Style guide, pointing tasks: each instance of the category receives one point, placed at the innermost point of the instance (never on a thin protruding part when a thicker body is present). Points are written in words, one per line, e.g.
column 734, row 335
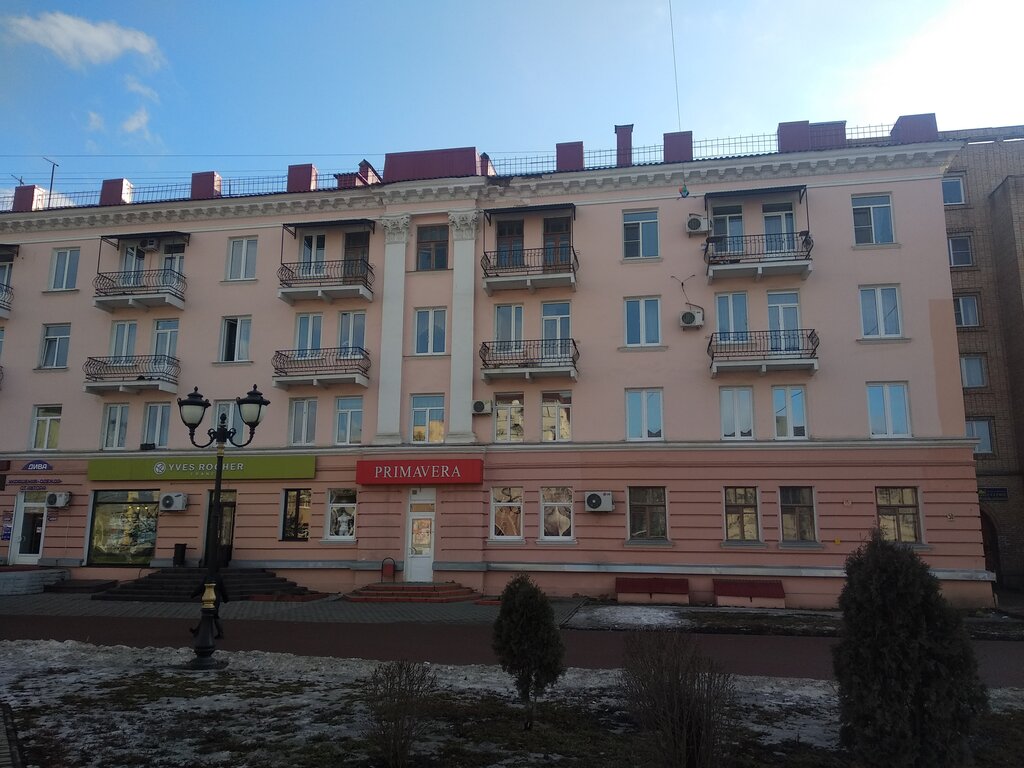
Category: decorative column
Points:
column 389, row 366
column 463, row 226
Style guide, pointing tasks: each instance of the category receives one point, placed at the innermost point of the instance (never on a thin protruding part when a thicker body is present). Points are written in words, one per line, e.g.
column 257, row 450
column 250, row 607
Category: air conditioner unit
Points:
column 173, row 502
column 691, row 318
column 149, row 244
column 598, row 501
column 697, row 224
column 481, row 407
column 58, row 499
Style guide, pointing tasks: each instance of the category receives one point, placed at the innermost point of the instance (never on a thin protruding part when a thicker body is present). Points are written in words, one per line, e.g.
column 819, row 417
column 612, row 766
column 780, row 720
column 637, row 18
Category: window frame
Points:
column 734, row 394
column 787, row 391
column 950, row 250
column 637, row 229
column 290, row 510
column 556, row 505
column 246, row 259
column 61, row 345
column 872, row 208
column 880, row 316
column 349, row 504
column 432, row 253
column 64, row 278
column 239, row 322
column 985, row 440
column 741, row 508
column 234, row 420
column 887, row 405
column 511, row 503
column 958, row 310
column 429, row 331
column 960, row 185
column 427, row 410
column 898, row 511
column 510, row 413
column 982, row 368
column 159, row 429
column 551, row 422
column 119, row 424
column 642, row 328
column 302, row 421
column 645, row 415
column 795, row 508
column 349, row 413
column 648, row 509
column 50, row 423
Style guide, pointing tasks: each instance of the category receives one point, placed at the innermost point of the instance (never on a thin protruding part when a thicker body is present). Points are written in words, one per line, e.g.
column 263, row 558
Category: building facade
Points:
column 673, row 364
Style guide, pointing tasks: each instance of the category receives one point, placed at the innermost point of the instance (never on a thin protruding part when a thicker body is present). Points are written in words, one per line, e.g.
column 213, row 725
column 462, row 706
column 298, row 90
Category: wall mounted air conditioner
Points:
column 149, row 244
column 173, row 502
column 481, row 407
column 691, row 318
column 598, row 501
column 697, row 224
column 58, row 499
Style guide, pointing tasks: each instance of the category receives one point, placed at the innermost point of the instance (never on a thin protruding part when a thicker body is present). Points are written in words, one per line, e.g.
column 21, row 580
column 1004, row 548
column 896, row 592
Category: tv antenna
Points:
column 49, row 195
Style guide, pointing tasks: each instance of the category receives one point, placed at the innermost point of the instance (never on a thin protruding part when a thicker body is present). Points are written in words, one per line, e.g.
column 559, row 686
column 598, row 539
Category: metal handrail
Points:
column 764, row 345
column 133, row 368
column 322, row 362
column 343, row 272
column 532, row 353
column 530, row 261
column 727, row 249
column 6, row 294
column 133, row 283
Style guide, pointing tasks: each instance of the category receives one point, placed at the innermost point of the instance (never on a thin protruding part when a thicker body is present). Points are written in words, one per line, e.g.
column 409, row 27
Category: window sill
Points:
column 729, row 544
column 797, row 545
column 509, row 542
column 970, row 327
column 891, row 437
column 294, row 541
column 648, row 543
column 643, row 348
column 645, row 439
column 641, row 260
column 883, row 339
column 60, row 290
column 229, row 281
column 232, row 362
column 791, row 439
column 338, row 542
column 566, row 542
column 874, row 246
column 51, row 368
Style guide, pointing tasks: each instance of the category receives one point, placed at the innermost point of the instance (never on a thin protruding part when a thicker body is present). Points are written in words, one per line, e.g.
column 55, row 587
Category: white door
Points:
column 555, row 329
column 29, row 528
column 419, row 558
column 311, row 258
column 784, row 322
column 133, row 263
column 779, row 230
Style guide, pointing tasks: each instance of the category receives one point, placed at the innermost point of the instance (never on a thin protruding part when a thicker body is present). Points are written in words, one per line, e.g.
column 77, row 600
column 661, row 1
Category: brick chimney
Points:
column 205, row 185
column 116, row 192
column 27, row 198
column 569, row 156
column 624, row 145
column 301, row 178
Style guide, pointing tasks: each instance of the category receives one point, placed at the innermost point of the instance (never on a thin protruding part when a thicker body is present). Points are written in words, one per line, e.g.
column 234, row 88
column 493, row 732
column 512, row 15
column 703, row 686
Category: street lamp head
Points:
column 250, row 407
column 193, row 409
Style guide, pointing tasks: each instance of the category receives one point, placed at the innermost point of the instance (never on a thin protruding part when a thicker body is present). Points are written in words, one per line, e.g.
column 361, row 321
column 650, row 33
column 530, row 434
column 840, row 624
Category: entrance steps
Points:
column 412, row 592
column 177, row 585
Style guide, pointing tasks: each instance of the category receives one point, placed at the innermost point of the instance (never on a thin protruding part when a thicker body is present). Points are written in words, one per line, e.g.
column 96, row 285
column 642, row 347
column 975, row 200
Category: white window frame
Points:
column 727, row 224
column 346, row 415
column 642, row 329
column 970, row 251
column 60, row 345
column 650, row 417
column 736, row 397
column 428, row 412
column 165, row 334
column 959, row 181
column 513, row 500
column 425, row 323
column 341, row 501
column 302, row 421
column 156, row 424
column 64, row 269
column 239, row 329
column 983, row 435
column 966, row 373
column 241, row 265
column 509, row 414
column 959, row 302
column 873, row 208
column 641, row 228
column 50, row 423
column 878, row 292
column 887, row 389
column 234, row 420
column 727, row 322
column 552, row 409
column 557, row 506
column 352, row 333
column 312, row 254
column 115, row 427
column 786, row 412
column 123, row 334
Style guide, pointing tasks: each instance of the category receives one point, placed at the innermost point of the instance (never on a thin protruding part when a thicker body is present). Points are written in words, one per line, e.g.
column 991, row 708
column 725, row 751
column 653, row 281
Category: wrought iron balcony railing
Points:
column 330, row 361
column 344, row 272
column 6, row 294
column 132, row 368
column 529, row 261
column 799, row 343
column 533, row 353
column 149, row 281
column 729, row 249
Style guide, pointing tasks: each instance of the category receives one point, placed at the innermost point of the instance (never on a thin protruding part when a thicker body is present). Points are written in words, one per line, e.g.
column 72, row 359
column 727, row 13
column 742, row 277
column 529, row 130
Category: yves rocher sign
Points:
column 419, row 471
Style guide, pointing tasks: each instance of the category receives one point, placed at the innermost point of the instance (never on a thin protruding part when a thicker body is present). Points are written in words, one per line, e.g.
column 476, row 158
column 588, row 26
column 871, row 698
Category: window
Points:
column 432, row 248
column 428, row 418
column 430, row 331
column 556, row 513
column 122, row 342
column 341, row 513
column 123, row 530
column 647, row 517
column 898, row 515
column 796, row 506
column 234, row 339
column 556, row 417
column 349, row 421
column 790, row 412
column 242, row 259
column 888, row 412
column 555, row 329
column 643, row 414
column 45, row 427
column 779, row 229
column 56, row 340
column 357, row 247
column 880, row 312
column 307, row 335
column 115, row 426
column 508, row 328
column 965, row 311
column 303, row 421
column 233, row 418
column 507, row 513
column 557, row 243
column 972, row 371
column 727, row 228
column 953, row 191
column 165, row 337
column 352, row 333
column 173, row 263
column 737, row 411
column 741, row 514
column 872, row 220
column 295, row 521
column 156, row 423
column 508, row 418
column 643, row 322
column 960, row 254
column 510, row 243
column 64, row 273
column 982, row 430
column 311, row 255
column 731, row 316
column 640, row 235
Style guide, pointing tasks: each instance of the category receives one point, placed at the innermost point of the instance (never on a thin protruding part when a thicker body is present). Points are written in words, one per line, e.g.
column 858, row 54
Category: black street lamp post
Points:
column 192, row 410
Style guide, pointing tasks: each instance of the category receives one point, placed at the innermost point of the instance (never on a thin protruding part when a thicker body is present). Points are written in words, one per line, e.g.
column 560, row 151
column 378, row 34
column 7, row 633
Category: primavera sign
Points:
column 420, row 472
column 191, row 468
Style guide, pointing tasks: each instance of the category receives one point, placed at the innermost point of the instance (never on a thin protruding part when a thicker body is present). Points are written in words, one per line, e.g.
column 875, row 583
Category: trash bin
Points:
column 179, row 555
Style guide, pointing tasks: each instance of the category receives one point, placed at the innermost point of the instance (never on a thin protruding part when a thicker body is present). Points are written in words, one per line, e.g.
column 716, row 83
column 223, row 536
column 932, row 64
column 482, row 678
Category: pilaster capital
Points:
column 464, row 223
column 396, row 228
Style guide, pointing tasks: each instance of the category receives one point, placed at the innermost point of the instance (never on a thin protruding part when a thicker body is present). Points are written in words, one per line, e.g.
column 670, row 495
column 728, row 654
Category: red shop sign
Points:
column 419, row 471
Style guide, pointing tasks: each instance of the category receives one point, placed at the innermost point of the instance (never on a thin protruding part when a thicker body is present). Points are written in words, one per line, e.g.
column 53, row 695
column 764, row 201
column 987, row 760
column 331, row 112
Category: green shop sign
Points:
column 191, row 468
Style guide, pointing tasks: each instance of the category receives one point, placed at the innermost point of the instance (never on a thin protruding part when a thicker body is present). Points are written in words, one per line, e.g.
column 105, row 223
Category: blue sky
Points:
column 155, row 89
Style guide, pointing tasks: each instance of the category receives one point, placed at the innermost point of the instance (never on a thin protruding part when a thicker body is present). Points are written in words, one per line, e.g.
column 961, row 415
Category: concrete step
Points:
column 81, row 586
column 412, row 592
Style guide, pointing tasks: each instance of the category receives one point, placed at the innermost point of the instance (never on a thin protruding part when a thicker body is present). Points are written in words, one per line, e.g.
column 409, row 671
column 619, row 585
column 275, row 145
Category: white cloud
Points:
column 132, row 84
column 78, row 42
column 95, row 122
column 137, row 122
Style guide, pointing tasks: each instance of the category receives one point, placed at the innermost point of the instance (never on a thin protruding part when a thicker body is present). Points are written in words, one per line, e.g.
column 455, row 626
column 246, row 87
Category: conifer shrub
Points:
column 396, row 695
column 527, row 642
column 909, row 691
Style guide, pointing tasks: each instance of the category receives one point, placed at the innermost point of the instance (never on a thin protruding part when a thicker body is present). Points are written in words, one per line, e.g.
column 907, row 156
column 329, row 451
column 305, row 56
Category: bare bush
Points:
column 679, row 696
column 395, row 695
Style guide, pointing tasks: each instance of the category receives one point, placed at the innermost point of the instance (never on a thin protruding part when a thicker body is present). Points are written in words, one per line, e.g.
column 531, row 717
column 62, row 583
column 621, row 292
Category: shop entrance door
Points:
column 419, row 559
column 29, row 528
column 227, row 524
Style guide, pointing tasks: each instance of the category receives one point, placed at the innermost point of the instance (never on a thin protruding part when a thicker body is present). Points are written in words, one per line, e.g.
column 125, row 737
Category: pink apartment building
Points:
column 655, row 362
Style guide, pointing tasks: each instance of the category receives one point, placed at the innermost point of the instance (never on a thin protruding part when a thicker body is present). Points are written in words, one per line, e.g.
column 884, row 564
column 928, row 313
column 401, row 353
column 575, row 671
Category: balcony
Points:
column 325, row 280
column 6, row 295
column 144, row 288
column 131, row 373
column 321, row 367
column 529, row 268
column 534, row 359
column 763, row 351
column 757, row 256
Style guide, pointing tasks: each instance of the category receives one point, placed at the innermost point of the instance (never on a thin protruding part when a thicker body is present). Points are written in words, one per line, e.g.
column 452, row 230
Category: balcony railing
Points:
column 764, row 350
column 128, row 373
column 321, row 367
column 325, row 279
column 529, row 358
column 6, row 295
column 518, row 268
column 758, row 255
column 146, row 288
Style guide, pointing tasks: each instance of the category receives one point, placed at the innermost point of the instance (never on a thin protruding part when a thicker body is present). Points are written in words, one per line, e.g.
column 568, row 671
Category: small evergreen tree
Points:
column 527, row 642
column 908, row 682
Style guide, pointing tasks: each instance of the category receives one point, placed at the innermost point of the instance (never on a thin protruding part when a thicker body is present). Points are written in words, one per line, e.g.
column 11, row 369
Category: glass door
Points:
column 555, row 328
column 133, row 263
column 779, row 230
column 29, row 528
column 784, row 322
column 122, row 342
column 419, row 560
column 307, row 336
column 311, row 258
